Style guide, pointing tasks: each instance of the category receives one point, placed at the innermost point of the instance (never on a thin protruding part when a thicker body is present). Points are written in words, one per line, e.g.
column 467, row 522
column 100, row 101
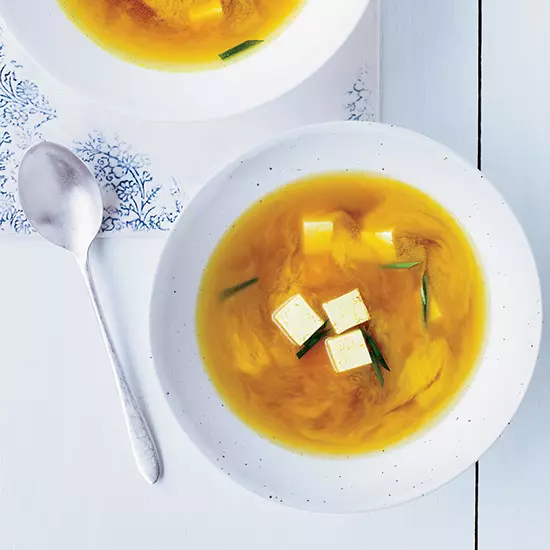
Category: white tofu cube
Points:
column 380, row 246
column 317, row 237
column 347, row 311
column 385, row 236
column 297, row 319
column 434, row 311
column 348, row 351
column 205, row 13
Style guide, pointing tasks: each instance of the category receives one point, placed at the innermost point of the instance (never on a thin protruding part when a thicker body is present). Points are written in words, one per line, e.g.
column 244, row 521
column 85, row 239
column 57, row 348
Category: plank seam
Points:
column 479, row 165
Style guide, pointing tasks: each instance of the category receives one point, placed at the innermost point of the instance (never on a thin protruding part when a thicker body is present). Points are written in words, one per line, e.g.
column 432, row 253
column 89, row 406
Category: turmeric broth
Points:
column 177, row 34
column 304, row 403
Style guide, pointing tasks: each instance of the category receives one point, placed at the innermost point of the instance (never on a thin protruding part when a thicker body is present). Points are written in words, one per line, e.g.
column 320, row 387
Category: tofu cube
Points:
column 297, row 319
column 348, row 351
column 434, row 311
column 380, row 246
column 385, row 237
column 204, row 13
column 347, row 311
column 317, row 237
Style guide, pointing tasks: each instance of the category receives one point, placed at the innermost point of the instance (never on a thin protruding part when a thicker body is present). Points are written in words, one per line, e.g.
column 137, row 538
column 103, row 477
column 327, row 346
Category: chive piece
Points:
column 375, row 350
column 376, row 356
column 401, row 265
column 228, row 292
column 311, row 343
column 247, row 44
column 313, row 340
column 378, row 373
column 424, row 294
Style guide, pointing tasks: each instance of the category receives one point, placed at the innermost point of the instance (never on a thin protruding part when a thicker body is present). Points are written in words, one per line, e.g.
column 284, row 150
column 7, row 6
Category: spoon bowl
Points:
column 60, row 197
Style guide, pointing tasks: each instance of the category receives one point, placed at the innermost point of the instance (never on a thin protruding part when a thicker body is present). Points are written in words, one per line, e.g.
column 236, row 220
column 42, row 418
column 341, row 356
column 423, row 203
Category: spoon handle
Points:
column 143, row 445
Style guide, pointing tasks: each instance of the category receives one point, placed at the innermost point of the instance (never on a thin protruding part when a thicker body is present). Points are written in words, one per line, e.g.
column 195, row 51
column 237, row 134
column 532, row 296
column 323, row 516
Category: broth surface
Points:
column 160, row 34
column 303, row 403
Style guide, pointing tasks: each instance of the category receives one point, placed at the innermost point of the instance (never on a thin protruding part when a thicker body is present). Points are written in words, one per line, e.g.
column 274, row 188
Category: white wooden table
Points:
column 66, row 477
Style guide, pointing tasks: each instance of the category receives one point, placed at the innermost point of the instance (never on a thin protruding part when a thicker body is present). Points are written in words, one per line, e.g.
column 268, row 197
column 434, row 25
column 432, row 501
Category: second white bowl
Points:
column 320, row 28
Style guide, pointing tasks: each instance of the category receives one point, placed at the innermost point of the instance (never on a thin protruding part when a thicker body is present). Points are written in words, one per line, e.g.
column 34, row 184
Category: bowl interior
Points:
column 460, row 436
column 64, row 51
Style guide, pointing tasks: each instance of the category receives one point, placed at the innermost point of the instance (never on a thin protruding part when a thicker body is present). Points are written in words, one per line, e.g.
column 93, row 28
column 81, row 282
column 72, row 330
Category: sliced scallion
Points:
column 378, row 372
column 246, row 45
column 376, row 356
column 401, row 265
column 425, row 296
column 314, row 339
column 375, row 350
column 228, row 292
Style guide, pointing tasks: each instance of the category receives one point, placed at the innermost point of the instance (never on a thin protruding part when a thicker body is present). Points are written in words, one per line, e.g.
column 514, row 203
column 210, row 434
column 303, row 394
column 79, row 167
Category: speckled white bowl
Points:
column 436, row 455
column 65, row 52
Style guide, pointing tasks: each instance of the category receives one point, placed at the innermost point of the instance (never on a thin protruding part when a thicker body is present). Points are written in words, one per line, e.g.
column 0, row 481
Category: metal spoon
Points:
column 62, row 201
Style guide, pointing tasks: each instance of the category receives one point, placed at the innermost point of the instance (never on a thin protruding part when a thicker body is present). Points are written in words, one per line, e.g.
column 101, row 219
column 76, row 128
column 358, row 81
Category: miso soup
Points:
column 320, row 288
column 180, row 34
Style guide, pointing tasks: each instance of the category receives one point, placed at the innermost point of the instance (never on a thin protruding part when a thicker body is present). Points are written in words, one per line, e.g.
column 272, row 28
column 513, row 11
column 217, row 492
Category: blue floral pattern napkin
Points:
column 148, row 171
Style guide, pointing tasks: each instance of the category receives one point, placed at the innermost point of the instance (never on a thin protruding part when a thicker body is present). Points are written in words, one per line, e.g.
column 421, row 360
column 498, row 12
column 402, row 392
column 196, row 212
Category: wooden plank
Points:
column 515, row 474
column 430, row 84
column 429, row 70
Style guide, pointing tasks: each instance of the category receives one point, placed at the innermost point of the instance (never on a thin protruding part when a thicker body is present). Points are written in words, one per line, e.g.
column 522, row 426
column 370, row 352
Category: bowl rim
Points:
column 527, row 372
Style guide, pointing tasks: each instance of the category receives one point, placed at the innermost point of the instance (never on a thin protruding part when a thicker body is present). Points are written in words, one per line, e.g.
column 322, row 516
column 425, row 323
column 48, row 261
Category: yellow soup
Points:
column 176, row 34
column 427, row 320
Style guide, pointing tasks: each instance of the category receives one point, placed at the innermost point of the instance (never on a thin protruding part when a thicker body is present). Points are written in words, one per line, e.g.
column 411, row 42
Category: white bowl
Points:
column 64, row 51
column 460, row 436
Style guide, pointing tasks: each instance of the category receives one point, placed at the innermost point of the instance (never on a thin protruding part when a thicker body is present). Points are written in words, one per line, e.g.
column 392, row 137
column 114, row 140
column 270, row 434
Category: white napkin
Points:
column 148, row 171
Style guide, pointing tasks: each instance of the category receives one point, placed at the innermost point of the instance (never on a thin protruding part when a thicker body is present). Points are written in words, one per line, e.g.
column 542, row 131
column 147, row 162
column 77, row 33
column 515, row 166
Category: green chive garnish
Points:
column 375, row 350
column 378, row 372
column 376, row 356
column 401, row 265
column 424, row 294
column 228, row 292
column 247, row 44
column 313, row 340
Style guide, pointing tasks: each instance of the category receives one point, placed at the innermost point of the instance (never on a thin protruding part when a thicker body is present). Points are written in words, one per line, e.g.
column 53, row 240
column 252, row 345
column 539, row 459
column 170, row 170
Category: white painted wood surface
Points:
column 514, row 503
column 429, row 69
column 66, row 474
